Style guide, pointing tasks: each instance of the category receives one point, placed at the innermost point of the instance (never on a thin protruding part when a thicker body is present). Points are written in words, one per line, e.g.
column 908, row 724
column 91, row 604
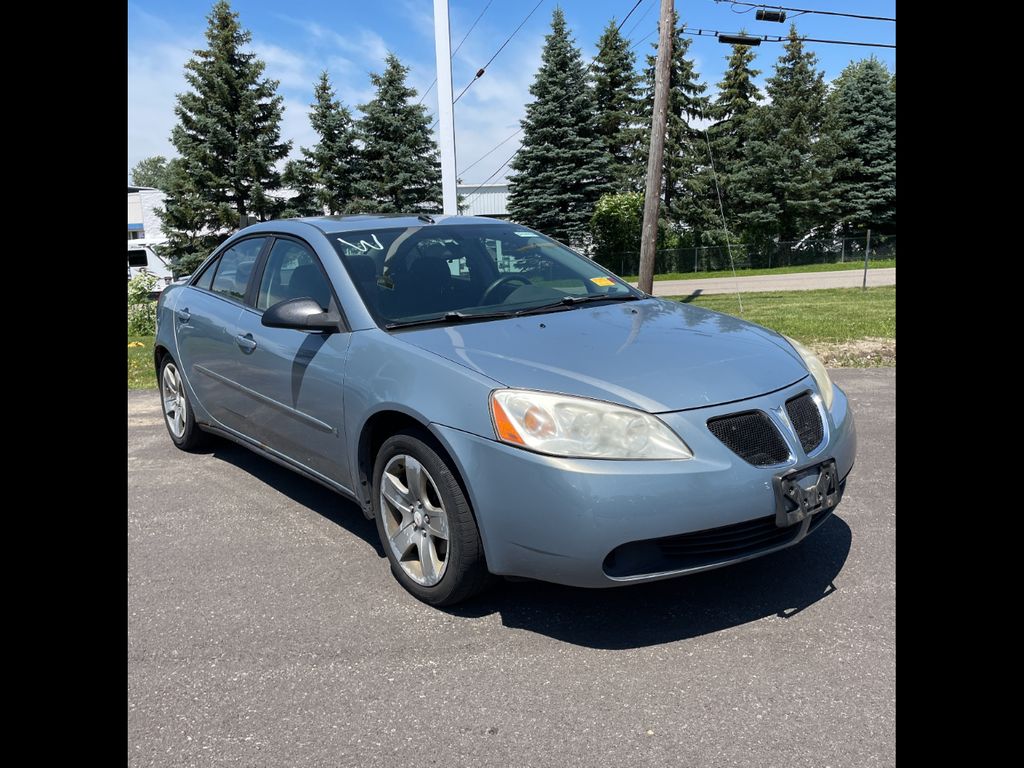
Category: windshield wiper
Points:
column 572, row 301
column 566, row 302
column 450, row 317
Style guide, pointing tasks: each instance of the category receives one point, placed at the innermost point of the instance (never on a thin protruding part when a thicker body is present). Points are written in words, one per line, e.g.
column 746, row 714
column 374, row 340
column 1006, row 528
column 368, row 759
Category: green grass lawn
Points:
column 832, row 314
column 846, row 265
column 845, row 326
column 140, row 363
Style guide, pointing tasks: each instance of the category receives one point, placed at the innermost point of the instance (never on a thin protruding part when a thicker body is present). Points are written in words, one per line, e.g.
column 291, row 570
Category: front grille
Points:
column 699, row 549
column 726, row 542
column 752, row 437
column 708, row 548
column 806, row 420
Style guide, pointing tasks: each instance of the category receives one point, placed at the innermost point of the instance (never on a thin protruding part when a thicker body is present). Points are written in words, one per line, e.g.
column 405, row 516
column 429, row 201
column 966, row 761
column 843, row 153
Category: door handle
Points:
column 246, row 342
column 183, row 315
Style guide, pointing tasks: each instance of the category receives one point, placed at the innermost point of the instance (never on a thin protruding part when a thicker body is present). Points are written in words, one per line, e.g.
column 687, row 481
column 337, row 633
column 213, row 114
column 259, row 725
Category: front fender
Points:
column 384, row 373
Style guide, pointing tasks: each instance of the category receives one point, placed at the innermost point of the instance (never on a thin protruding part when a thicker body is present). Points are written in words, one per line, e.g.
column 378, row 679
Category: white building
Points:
column 144, row 232
column 486, row 200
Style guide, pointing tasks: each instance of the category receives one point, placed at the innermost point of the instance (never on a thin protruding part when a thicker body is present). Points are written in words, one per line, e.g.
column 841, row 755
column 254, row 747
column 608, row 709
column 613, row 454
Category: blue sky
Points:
column 350, row 39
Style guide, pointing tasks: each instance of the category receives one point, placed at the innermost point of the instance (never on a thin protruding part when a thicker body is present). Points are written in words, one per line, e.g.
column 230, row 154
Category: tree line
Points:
column 808, row 160
column 804, row 159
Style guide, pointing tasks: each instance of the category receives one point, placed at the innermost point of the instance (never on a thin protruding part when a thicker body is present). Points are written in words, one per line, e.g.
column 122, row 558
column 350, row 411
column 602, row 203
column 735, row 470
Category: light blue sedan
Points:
column 500, row 404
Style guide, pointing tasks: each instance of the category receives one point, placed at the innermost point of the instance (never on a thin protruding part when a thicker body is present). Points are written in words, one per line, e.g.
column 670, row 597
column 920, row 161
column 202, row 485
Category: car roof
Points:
column 334, row 224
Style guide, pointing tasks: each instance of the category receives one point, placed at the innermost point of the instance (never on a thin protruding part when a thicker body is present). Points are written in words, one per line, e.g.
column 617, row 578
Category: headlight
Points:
column 817, row 369
column 576, row 427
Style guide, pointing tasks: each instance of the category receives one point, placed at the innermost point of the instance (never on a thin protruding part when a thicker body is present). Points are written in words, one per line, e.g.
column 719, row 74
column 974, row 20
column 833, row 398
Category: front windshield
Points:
column 448, row 273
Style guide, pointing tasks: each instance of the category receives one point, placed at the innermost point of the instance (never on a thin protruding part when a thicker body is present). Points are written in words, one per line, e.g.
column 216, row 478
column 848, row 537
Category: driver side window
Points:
column 292, row 272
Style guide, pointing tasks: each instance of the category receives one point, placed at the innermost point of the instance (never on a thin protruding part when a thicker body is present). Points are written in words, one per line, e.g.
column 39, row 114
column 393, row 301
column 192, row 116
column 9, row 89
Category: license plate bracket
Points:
column 798, row 495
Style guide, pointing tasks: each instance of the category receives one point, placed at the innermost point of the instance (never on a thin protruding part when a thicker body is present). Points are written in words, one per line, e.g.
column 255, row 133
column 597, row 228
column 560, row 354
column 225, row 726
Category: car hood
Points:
column 655, row 355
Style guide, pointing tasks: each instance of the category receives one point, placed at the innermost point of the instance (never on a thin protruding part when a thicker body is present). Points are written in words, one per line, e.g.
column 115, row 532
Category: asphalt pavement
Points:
column 797, row 281
column 264, row 629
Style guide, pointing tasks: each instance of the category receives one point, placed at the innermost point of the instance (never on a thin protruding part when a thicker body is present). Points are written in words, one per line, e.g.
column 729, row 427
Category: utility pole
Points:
column 652, row 192
column 445, row 110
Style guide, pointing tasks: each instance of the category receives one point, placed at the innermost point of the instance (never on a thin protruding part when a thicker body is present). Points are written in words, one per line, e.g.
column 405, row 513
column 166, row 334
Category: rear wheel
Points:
column 425, row 523
column 178, row 415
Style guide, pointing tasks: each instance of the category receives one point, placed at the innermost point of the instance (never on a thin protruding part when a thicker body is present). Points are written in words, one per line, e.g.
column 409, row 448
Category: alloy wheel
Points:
column 415, row 520
column 173, row 394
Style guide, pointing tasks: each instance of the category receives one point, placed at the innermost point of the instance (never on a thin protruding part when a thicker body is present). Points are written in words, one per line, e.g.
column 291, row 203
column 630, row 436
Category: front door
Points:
column 296, row 377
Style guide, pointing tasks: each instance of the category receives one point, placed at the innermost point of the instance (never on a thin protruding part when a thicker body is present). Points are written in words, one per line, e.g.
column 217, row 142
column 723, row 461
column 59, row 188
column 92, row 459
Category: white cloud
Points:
column 488, row 113
column 155, row 76
column 291, row 69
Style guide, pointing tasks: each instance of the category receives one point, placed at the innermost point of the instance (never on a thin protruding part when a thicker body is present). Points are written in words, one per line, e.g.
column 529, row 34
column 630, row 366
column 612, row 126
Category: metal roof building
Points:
column 486, row 200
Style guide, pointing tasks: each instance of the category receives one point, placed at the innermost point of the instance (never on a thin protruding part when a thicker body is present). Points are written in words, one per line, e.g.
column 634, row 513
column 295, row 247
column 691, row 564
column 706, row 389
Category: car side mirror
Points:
column 302, row 314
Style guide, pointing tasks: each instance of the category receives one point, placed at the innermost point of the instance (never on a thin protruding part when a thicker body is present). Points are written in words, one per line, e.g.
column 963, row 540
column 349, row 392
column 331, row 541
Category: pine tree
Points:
column 783, row 178
column 184, row 217
column 401, row 171
column 228, row 137
column 150, row 172
column 862, row 122
column 686, row 182
column 737, row 97
column 326, row 175
column 616, row 95
column 562, row 168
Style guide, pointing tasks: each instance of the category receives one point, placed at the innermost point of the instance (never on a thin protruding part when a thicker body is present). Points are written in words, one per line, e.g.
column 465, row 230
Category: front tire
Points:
column 425, row 523
column 179, row 418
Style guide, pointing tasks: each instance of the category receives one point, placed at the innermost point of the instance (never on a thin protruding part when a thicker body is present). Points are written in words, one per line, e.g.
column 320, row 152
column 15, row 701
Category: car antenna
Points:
column 426, row 218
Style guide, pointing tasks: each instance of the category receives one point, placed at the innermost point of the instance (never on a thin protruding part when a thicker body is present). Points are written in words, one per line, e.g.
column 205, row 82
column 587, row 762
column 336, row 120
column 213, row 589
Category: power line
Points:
column 488, row 152
column 779, row 38
column 807, row 10
column 484, row 182
column 639, row 21
column 520, row 130
column 480, row 72
column 642, row 39
column 471, row 28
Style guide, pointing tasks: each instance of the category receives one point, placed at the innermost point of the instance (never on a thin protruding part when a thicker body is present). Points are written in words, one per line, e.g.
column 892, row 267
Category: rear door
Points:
column 296, row 377
column 206, row 325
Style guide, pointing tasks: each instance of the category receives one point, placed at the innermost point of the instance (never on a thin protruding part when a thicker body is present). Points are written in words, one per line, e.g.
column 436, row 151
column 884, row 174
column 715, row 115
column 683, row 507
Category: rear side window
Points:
column 292, row 272
column 235, row 268
column 206, row 279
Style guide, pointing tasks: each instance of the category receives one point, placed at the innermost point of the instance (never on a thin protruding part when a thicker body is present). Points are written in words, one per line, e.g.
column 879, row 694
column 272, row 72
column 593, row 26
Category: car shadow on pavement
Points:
column 325, row 502
column 780, row 585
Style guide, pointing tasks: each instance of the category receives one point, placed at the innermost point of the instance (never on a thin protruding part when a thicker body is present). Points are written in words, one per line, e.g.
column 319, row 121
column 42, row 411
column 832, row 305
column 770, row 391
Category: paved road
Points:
column 265, row 629
column 799, row 281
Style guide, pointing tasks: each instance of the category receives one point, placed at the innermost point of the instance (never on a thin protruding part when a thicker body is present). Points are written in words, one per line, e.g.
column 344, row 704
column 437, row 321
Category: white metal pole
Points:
column 445, row 112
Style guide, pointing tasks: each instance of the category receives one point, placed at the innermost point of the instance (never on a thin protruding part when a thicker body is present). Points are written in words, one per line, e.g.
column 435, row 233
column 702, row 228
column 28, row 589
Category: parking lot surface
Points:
column 264, row 628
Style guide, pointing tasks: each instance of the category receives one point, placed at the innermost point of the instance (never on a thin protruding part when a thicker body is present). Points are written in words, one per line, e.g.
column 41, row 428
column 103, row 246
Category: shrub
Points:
column 141, row 308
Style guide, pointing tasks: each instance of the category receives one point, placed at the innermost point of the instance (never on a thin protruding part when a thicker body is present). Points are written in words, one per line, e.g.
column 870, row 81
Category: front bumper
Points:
column 558, row 520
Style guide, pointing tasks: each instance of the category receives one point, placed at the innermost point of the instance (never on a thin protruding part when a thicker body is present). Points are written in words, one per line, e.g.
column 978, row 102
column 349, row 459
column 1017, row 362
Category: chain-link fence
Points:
column 793, row 253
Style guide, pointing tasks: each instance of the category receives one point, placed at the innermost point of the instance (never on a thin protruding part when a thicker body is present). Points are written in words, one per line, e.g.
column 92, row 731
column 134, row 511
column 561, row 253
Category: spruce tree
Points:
column 687, row 186
column 228, row 136
column 401, row 171
column 185, row 216
column 737, row 97
column 862, row 123
column 562, row 168
column 150, row 172
column 783, row 178
column 325, row 177
column 616, row 95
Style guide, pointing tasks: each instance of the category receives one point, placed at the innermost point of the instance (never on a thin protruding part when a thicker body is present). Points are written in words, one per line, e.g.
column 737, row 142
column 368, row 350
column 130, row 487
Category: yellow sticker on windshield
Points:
column 602, row 281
